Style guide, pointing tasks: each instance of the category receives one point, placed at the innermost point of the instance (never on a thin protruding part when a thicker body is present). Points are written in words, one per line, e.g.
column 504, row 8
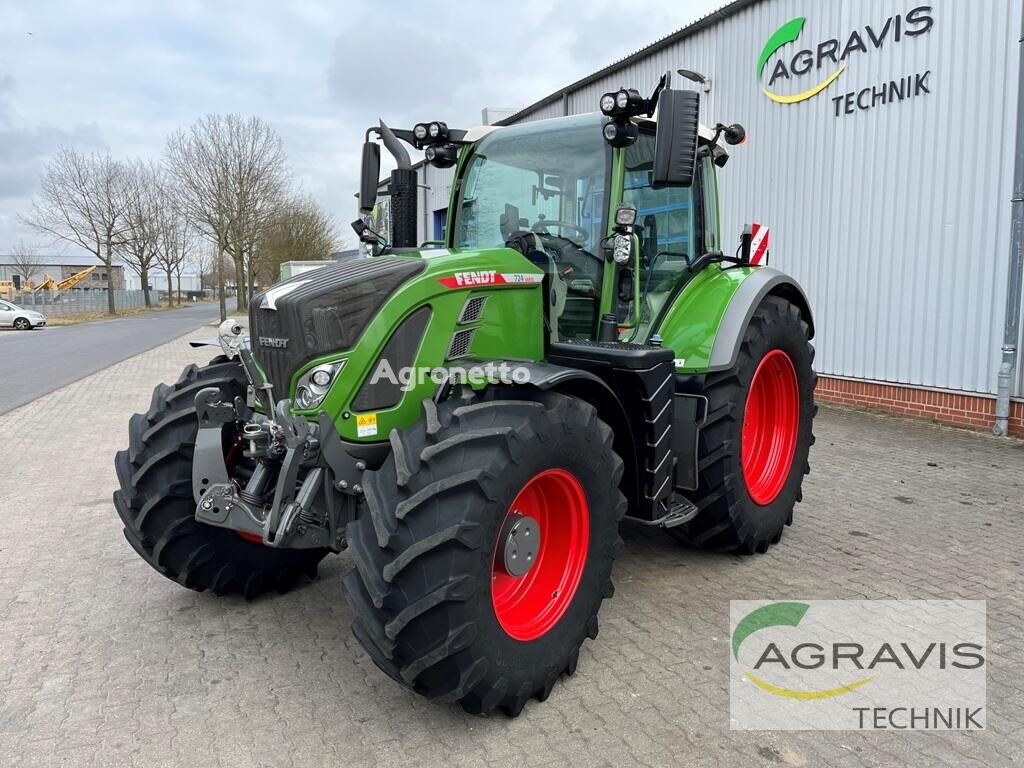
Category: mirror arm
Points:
column 714, row 257
column 663, row 83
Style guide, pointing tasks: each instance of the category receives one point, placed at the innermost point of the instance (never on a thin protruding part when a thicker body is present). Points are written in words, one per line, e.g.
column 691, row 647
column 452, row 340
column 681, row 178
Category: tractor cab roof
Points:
column 707, row 135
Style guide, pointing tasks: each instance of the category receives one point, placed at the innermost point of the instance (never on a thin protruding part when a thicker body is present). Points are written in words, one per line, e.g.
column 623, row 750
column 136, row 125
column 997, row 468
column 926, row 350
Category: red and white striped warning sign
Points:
column 758, row 243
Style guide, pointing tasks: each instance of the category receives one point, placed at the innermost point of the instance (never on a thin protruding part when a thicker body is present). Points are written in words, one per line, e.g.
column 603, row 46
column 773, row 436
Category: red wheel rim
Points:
column 529, row 605
column 771, row 426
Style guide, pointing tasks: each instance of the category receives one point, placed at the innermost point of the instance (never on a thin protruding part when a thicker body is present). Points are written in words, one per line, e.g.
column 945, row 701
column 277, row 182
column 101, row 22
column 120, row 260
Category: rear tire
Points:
column 747, row 498
column 425, row 587
column 156, row 505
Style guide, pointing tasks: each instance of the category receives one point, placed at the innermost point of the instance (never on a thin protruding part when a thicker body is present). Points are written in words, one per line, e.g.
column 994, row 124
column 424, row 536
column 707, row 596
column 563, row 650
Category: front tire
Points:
column 156, row 505
column 22, row 324
column 436, row 606
column 754, row 446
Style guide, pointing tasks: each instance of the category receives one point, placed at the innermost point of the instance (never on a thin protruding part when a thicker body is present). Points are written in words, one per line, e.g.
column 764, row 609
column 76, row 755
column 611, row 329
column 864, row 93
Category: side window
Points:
column 670, row 226
column 708, row 180
column 666, row 215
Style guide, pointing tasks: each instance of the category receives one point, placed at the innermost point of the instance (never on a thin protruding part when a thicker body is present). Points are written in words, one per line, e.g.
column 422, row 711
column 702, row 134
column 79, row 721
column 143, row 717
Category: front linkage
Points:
column 303, row 488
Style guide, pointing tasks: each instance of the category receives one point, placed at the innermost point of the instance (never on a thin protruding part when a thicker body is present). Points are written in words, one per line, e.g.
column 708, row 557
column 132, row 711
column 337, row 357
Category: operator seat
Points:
column 555, row 288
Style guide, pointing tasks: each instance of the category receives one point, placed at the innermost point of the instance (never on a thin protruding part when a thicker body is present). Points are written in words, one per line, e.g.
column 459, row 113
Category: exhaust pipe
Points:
column 403, row 192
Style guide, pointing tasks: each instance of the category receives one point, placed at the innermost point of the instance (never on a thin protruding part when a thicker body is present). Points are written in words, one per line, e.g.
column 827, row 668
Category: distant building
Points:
column 191, row 281
column 61, row 267
column 292, row 268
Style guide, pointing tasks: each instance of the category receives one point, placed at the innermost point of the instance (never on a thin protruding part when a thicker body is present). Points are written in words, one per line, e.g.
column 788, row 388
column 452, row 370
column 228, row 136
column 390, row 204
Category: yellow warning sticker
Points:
column 366, row 424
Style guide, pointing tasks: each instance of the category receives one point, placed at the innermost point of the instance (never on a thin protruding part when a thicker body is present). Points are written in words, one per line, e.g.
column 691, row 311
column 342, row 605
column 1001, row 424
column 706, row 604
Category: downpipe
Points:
column 1011, row 330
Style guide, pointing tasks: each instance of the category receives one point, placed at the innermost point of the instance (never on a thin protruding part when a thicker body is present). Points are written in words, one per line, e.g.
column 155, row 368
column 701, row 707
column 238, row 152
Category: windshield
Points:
column 541, row 186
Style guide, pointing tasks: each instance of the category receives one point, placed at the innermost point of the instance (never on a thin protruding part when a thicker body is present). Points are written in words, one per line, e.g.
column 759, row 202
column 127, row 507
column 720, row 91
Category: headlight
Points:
column 622, row 99
column 420, row 131
column 229, row 334
column 608, row 103
column 622, row 249
column 437, row 131
column 315, row 383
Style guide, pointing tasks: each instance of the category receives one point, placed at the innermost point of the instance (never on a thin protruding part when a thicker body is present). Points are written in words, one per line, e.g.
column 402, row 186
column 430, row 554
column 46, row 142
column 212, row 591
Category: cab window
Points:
column 674, row 224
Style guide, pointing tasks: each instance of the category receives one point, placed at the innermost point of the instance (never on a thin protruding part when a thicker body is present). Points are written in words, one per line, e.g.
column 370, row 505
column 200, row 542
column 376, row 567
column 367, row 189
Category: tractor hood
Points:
column 351, row 308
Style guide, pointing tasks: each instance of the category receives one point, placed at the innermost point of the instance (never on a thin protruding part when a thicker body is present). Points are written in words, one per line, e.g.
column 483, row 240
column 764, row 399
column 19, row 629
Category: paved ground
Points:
column 103, row 662
column 40, row 361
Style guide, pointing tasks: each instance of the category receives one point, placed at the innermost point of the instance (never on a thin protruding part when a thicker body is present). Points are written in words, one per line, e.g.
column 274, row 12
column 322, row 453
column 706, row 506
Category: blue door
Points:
column 440, row 220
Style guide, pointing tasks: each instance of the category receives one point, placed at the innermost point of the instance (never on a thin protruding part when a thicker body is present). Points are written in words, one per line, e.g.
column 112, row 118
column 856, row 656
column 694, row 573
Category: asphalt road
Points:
column 34, row 363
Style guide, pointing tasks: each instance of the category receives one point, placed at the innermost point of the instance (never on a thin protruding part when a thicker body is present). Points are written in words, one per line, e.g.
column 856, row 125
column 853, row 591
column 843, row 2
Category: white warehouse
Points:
column 884, row 136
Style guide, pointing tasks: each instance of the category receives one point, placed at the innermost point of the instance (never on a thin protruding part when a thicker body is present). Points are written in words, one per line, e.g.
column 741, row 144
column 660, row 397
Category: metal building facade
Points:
column 894, row 218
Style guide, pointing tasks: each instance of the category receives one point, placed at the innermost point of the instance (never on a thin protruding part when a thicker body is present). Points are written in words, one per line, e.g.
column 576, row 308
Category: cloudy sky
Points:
column 121, row 75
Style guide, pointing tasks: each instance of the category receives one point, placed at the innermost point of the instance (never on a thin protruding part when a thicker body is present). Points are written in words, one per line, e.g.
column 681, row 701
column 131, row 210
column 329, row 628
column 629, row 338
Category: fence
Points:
column 77, row 301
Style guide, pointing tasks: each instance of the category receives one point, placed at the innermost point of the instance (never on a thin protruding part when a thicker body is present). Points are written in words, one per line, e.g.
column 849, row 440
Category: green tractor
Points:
column 475, row 419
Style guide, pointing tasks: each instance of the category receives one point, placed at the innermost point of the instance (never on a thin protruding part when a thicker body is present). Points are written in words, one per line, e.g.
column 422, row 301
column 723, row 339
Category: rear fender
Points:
column 755, row 289
column 705, row 324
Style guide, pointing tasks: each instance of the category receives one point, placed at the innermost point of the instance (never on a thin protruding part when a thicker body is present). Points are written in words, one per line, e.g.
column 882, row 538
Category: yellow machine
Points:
column 49, row 284
column 8, row 291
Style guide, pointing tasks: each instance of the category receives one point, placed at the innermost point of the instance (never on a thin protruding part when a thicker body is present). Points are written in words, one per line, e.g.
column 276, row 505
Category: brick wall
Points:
column 954, row 408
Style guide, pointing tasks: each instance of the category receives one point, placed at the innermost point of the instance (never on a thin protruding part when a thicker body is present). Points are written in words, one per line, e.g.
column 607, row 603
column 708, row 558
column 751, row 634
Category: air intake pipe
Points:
column 403, row 192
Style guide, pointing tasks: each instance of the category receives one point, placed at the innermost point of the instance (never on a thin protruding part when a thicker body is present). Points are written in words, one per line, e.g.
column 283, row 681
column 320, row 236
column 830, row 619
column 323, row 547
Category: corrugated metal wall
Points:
column 434, row 198
column 895, row 219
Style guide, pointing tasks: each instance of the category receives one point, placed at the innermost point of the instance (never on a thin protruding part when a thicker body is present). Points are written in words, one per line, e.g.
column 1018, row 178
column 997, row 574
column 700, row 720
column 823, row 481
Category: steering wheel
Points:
column 565, row 229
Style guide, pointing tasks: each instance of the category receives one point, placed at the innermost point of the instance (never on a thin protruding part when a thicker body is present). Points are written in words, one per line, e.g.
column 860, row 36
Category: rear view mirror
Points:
column 675, row 143
column 370, row 177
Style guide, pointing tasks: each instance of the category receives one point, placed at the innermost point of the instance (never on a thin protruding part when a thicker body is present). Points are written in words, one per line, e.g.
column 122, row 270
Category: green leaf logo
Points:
column 784, row 35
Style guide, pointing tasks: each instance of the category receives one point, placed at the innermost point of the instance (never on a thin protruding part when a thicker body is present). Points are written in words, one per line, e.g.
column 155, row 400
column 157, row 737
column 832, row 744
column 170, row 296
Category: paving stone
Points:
column 104, row 662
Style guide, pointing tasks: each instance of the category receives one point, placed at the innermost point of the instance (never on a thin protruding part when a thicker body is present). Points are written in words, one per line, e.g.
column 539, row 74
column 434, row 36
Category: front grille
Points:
column 461, row 342
column 321, row 312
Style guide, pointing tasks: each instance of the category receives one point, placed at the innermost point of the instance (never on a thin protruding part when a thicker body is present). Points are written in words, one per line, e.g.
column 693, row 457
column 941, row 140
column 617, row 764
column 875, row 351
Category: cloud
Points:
column 126, row 75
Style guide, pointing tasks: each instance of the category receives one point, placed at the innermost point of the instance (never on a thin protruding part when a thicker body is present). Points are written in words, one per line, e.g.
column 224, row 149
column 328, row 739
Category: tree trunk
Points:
column 220, row 285
column 170, row 290
column 252, row 279
column 111, row 308
column 144, row 277
column 178, row 275
column 240, row 283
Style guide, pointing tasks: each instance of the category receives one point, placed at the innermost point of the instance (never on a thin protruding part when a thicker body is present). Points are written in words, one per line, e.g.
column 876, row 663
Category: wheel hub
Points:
column 540, row 554
column 521, row 535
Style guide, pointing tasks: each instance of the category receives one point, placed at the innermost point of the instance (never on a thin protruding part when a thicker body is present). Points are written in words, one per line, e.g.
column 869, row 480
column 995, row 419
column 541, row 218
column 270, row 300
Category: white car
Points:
column 13, row 316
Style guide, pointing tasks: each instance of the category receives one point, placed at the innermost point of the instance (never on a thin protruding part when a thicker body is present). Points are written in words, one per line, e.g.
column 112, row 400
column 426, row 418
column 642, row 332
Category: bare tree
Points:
column 300, row 231
column 140, row 245
column 175, row 238
column 82, row 200
column 26, row 262
column 230, row 173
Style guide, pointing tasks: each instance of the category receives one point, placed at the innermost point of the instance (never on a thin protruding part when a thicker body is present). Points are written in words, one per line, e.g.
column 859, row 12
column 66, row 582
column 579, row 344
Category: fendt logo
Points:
column 489, row 277
column 823, row 64
column 270, row 341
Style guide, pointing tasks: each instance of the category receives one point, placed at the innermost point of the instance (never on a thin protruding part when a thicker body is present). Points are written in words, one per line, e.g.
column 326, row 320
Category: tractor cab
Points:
column 551, row 190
